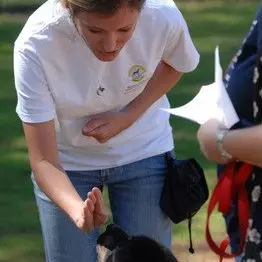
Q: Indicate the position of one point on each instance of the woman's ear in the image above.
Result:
(113, 237)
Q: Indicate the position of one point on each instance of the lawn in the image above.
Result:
(19, 2)
(211, 23)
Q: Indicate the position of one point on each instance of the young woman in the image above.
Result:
(90, 77)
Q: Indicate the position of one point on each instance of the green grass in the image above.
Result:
(210, 24)
(19, 2)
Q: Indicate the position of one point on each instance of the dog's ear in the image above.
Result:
(113, 237)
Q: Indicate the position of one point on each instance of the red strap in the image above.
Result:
(231, 181)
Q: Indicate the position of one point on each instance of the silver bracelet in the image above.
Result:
(221, 133)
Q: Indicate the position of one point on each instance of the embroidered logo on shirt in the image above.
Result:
(136, 73)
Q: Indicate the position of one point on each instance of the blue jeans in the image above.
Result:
(239, 258)
(134, 193)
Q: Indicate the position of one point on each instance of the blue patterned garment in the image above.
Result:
(253, 250)
(239, 80)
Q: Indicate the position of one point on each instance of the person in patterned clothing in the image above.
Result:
(243, 144)
(238, 78)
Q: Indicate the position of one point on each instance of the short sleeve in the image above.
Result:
(35, 102)
(180, 52)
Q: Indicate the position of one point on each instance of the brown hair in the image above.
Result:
(101, 6)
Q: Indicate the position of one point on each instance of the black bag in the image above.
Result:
(185, 190)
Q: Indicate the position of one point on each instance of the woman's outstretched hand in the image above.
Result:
(101, 212)
(93, 212)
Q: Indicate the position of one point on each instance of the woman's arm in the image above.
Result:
(243, 144)
(108, 125)
(50, 176)
(164, 78)
(36, 108)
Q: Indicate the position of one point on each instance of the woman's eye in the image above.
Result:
(124, 29)
(94, 31)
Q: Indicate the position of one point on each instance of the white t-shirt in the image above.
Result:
(58, 77)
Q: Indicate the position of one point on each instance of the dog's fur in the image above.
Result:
(114, 245)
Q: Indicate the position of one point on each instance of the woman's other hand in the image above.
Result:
(105, 126)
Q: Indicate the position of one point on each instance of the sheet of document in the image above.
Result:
(212, 101)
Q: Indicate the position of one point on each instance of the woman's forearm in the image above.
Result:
(46, 167)
(57, 186)
(245, 144)
(164, 78)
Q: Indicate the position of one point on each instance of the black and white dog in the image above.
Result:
(114, 245)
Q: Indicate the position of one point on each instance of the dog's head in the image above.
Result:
(114, 245)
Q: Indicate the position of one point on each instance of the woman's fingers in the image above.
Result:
(101, 212)
(100, 206)
(89, 207)
(86, 222)
(91, 196)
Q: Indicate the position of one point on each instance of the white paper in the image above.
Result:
(212, 101)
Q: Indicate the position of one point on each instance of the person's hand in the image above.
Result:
(105, 126)
(207, 139)
(84, 218)
(93, 213)
(101, 213)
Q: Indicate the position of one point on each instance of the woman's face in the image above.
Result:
(107, 34)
